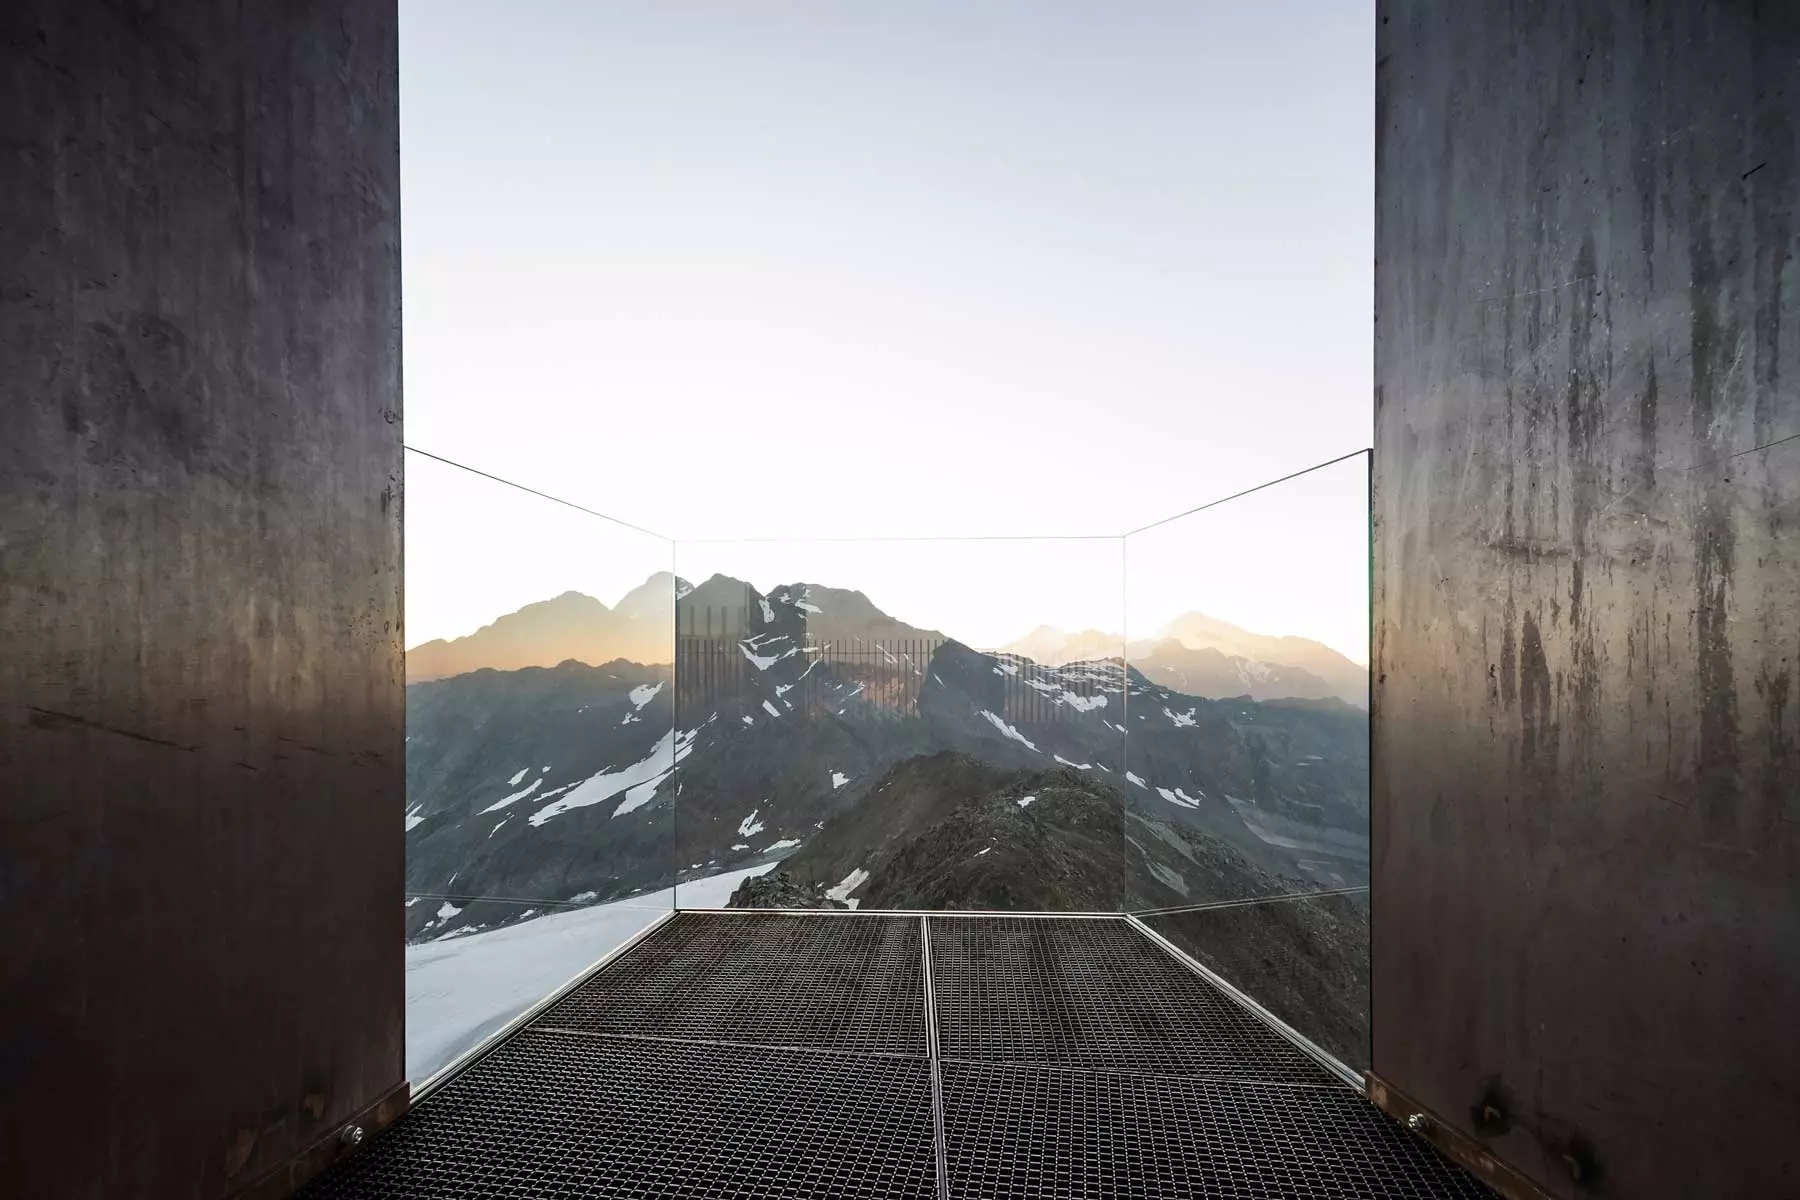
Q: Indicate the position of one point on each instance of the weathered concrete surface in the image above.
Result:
(1587, 787)
(200, 669)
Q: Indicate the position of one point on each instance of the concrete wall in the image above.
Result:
(1587, 781)
(201, 750)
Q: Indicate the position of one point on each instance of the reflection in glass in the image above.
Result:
(540, 749)
(1249, 747)
(1249, 744)
(888, 724)
(603, 724)
(1304, 958)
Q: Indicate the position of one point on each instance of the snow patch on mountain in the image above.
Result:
(514, 781)
(1178, 797)
(1010, 732)
(1182, 720)
(460, 991)
(517, 796)
(761, 662)
(638, 781)
(846, 885)
(644, 693)
(750, 826)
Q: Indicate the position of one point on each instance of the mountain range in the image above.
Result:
(1204, 656)
(571, 626)
(953, 830)
(807, 727)
(1194, 654)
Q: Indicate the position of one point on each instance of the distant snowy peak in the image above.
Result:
(1203, 656)
(1214, 674)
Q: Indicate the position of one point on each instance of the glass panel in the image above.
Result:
(930, 724)
(1249, 746)
(539, 721)
(1305, 959)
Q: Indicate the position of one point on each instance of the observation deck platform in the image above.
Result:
(862, 1054)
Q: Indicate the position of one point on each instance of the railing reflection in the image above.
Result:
(1249, 745)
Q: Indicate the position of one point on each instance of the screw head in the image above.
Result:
(1418, 1123)
(352, 1135)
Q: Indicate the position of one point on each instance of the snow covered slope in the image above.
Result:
(460, 989)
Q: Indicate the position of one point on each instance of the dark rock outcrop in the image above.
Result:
(778, 889)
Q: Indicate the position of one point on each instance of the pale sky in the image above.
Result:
(830, 270)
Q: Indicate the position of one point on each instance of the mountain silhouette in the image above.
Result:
(641, 627)
(1054, 647)
(571, 626)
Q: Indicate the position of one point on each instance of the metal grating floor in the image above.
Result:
(1045, 1132)
(845, 983)
(770, 1054)
(1094, 994)
(1304, 958)
(561, 1115)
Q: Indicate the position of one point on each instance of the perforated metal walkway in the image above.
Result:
(864, 1055)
